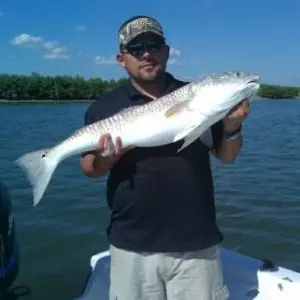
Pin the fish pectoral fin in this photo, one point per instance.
(178, 108)
(184, 106)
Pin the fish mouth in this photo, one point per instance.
(253, 81)
(252, 86)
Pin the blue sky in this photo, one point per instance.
(80, 37)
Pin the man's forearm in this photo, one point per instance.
(228, 150)
(232, 139)
(230, 144)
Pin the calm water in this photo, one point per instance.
(258, 198)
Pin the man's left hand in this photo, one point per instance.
(236, 116)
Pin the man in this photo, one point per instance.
(162, 233)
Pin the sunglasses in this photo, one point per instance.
(138, 48)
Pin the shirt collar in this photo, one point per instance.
(134, 94)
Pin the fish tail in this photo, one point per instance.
(38, 166)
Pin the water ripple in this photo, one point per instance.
(257, 199)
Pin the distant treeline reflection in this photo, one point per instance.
(38, 87)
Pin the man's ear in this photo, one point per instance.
(120, 59)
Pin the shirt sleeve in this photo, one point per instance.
(88, 117)
(97, 111)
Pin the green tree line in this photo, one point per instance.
(278, 92)
(38, 87)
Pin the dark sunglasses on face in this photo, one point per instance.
(139, 48)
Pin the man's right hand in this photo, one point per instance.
(94, 164)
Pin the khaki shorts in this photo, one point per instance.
(195, 275)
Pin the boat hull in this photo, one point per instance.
(246, 277)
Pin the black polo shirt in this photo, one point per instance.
(160, 200)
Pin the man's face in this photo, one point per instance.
(145, 57)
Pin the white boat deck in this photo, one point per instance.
(242, 273)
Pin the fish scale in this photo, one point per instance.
(115, 123)
(184, 114)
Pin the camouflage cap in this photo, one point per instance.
(137, 26)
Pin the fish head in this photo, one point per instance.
(219, 93)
